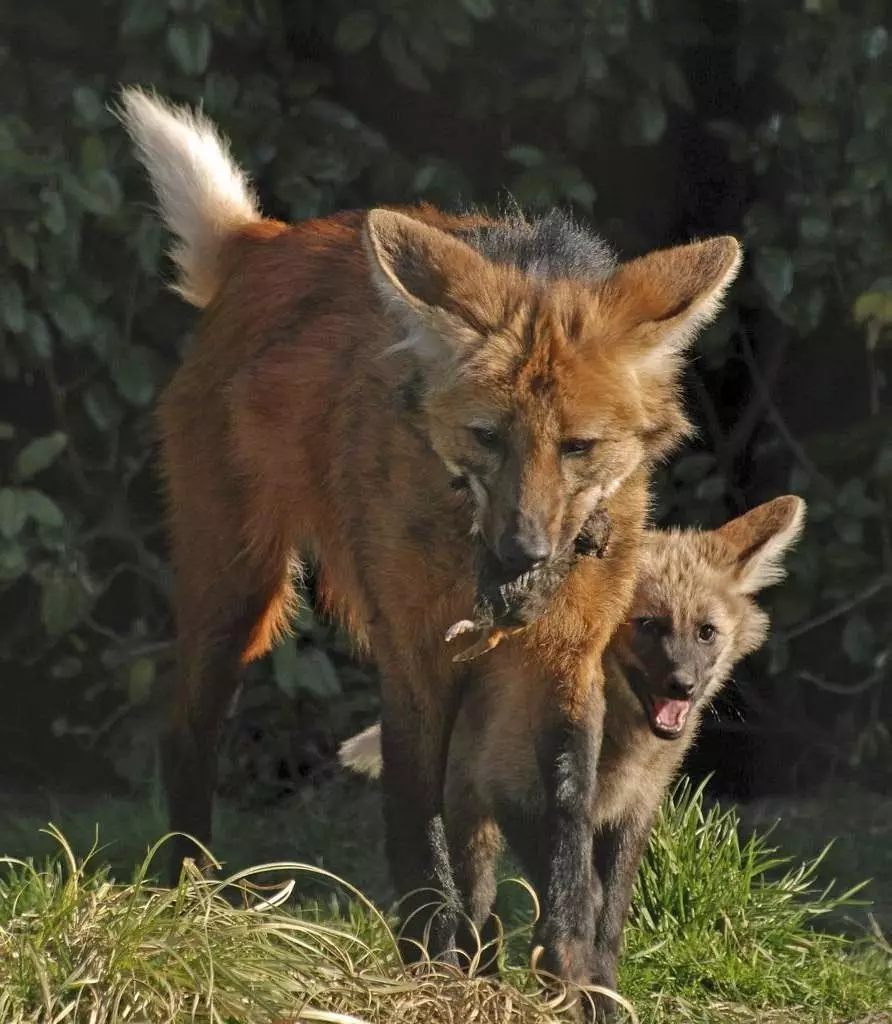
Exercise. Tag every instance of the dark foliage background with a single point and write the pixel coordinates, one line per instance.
(659, 120)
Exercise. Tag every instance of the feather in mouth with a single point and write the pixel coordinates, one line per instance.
(505, 608)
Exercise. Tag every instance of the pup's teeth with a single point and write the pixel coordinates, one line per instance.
(671, 714)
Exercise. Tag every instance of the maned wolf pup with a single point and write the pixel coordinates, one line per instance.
(692, 619)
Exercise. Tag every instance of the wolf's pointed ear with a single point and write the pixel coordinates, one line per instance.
(443, 290)
(666, 296)
(760, 538)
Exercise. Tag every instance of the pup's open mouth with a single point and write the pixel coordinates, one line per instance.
(667, 717)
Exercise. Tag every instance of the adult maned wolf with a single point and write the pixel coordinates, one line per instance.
(383, 392)
(692, 618)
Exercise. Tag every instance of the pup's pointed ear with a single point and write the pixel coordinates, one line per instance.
(668, 295)
(759, 539)
(444, 291)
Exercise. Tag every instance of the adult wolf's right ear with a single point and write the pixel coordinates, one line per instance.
(668, 295)
(760, 538)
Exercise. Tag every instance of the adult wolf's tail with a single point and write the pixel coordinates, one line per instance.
(202, 194)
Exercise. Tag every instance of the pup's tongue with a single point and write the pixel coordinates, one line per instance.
(670, 714)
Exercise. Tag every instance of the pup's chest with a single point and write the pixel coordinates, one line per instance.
(634, 770)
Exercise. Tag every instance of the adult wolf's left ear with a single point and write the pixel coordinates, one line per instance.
(665, 297)
(759, 539)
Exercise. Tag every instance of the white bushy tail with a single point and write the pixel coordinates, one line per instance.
(202, 194)
(362, 753)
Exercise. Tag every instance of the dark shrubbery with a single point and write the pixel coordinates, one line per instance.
(659, 119)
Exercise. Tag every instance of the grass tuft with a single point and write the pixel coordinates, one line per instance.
(720, 931)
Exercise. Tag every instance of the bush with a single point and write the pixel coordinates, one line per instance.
(659, 120)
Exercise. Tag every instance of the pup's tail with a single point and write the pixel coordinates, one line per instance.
(362, 753)
(203, 195)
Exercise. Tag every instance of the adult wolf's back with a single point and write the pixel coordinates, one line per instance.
(381, 391)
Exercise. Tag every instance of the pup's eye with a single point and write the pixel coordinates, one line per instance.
(577, 446)
(486, 437)
(646, 625)
(707, 633)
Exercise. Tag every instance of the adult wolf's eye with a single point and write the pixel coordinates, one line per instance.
(706, 633)
(577, 446)
(486, 437)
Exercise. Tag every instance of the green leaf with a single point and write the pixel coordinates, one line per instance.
(9, 365)
(595, 65)
(875, 42)
(850, 531)
(817, 126)
(479, 9)
(526, 156)
(774, 272)
(87, 104)
(316, 673)
(285, 668)
(883, 465)
(858, 639)
(778, 656)
(581, 193)
(39, 337)
(99, 193)
(676, 86)
(189, 43)
(13, 513)
(93, 155)
(140, 681)
(691, 469)
(710, 489)
(853, 497)
(12, 305)
(70, 314)
(103, 408)
(873, 306)
(424, 177)
(355, 31)
(67, 667)
(813, 229)
(648, 121)
(63, 603)
(147, 242)
(40, 453)
(54, 216)
(405, 69)
(21, 247)
(220, 92)
(134, 371)
(13, 562)
(42, 509)
(142, 18)
(534, 188)
(430, 47)
(307, 669)
(578, 119)
(455, 25)
(761, 225)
